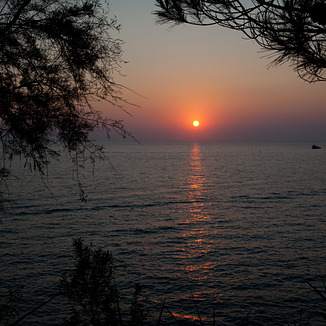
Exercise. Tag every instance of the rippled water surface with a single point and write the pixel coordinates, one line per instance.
(242, 227)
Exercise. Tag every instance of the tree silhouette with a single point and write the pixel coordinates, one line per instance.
(294, 30)
(56, 59)
(93, 293)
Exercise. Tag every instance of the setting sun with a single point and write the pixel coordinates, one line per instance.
(196, 123)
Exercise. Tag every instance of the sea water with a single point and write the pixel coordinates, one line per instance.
(238, 227)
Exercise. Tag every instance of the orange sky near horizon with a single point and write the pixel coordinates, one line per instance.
(211, 75)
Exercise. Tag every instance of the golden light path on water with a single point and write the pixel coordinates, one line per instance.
(197, 244)
(196, 186)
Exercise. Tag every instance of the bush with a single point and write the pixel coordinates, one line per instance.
(93, 293)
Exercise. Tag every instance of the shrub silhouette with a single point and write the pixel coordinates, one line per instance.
(92, 291)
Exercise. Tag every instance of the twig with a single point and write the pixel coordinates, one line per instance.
(161, 312)
(318, 291)
(33, 310)
(118, 304)
(198, 314)
(175, 319)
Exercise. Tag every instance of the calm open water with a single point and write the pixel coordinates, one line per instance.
(241, 226)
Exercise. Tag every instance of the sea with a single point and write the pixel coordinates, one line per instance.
(222, 233)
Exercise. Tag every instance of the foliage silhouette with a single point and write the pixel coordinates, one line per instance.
(57, 58)
(294, 30)
(91, 286)
(8, 309)
(92, 289)
(95, 300)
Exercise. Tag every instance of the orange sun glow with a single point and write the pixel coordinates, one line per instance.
(195, 123)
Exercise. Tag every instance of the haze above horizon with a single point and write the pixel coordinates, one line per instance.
(212, 75)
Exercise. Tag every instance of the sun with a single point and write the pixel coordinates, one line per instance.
(195, 123)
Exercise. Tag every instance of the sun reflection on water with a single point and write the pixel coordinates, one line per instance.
(197, 232)
(196, 267)
(196, 184)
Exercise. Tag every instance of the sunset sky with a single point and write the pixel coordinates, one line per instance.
(212, 75)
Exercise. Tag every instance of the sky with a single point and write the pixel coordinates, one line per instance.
(213, 75)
